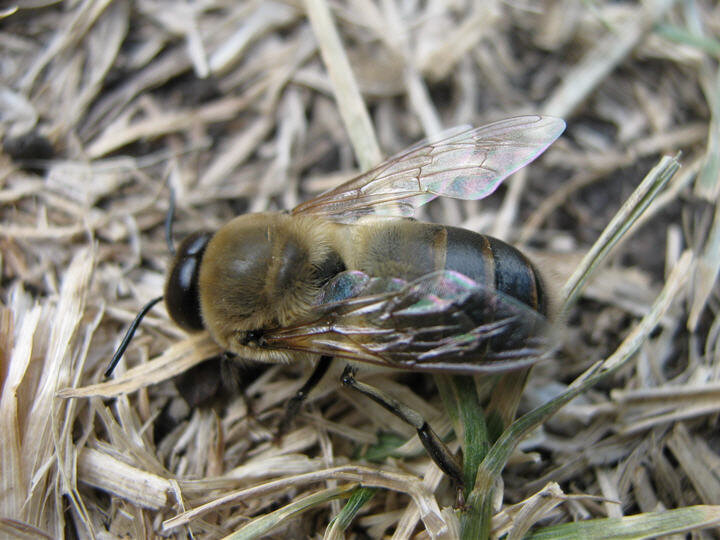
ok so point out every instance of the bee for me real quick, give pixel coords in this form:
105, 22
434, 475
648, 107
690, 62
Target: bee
350, 275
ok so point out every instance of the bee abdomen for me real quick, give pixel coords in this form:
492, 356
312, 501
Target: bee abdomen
491, 261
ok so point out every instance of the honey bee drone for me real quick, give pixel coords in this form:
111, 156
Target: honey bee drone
349, 274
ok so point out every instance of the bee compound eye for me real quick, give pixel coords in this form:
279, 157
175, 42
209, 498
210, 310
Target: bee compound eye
182, 296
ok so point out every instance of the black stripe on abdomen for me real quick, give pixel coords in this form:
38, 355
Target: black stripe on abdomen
488, 260
516, 276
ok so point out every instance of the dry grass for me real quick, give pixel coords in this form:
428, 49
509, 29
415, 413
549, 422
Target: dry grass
258, 105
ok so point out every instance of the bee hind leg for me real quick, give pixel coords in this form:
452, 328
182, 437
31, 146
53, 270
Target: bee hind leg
295, 403
436, 449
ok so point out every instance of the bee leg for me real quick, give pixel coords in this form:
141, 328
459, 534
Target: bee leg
201, 386
293, 406
434, 446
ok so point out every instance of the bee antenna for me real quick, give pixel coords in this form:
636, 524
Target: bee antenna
129, 335
169, 221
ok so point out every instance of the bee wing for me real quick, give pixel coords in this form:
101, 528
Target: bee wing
442, 322
464, 163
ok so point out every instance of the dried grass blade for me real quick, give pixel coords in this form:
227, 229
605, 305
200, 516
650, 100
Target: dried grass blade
699, 462
607, 54
367, 476
708, 181
707, 272
535, 508
350, 102
140, 488
39, 445
13, 484
708, 187
408, 522
177, 359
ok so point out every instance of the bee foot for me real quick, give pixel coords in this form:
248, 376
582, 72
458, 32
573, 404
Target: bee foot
460, 503
348, 376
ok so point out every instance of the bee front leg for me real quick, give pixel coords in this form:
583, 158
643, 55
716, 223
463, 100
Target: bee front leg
434, 446
293, 406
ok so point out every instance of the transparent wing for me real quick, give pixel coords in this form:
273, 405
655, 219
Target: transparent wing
464, 163
442, 322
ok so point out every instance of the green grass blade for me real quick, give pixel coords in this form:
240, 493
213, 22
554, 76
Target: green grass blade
648, 525
476, 521
348, 513
628, 214
265, 523
682, 35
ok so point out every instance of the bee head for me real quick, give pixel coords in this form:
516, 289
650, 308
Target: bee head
182, 297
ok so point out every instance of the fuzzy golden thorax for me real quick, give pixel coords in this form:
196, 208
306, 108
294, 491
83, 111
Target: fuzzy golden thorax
260, 271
